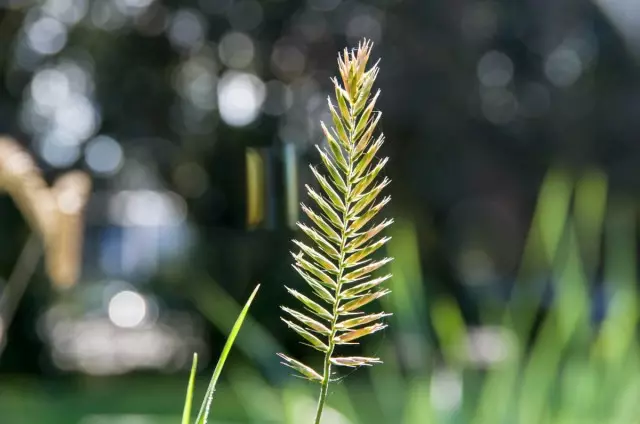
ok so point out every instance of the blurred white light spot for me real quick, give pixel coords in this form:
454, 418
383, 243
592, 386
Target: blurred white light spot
245, 15
499, 106
240, 97
287, 61
489, 346
187, 29
495, 69
103, 155
324, 5
236, 50
563, 67
364, 26
77, 118
133, 7
68, 11
57, 153
105, 15
49, 87
58, 105
147, 208
91, 343
127, 309
446, 391
47, 35
279, 98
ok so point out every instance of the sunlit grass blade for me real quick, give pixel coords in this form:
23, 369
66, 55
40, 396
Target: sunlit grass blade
208, 397
186, 414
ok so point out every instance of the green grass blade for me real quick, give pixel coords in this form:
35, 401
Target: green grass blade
206, 404
186, 414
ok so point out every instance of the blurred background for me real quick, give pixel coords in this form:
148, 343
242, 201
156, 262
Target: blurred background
512, 128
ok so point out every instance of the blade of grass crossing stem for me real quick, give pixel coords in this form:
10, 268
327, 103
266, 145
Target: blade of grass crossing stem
206, 404
186, 414
219, 308
615, 345
541, 245
570, 310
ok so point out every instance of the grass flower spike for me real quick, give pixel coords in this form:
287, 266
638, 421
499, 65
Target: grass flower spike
338, 264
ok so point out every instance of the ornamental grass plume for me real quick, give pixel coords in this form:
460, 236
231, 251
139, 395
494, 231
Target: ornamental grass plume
337, 265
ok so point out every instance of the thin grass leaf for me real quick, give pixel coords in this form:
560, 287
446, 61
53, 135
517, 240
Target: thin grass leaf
208, 397
186, 413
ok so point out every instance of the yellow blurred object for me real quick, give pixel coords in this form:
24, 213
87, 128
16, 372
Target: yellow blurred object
55, 214
255, 188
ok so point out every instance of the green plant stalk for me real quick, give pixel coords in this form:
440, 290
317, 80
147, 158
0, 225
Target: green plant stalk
206, 404
326, 376
186, 414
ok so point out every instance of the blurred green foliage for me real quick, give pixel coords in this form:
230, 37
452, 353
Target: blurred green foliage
515, 294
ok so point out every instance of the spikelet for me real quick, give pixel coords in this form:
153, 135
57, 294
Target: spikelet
336, 263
